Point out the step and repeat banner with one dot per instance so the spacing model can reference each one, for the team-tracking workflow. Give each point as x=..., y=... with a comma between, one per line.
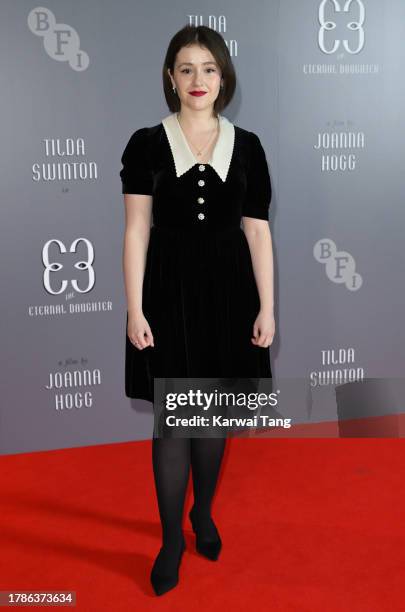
x=321, y=83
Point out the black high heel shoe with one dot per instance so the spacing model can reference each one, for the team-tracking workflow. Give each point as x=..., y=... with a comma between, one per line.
x=209, y=548
x=165, y=582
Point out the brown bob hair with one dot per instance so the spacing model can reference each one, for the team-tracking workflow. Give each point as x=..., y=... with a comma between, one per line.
x=211, y=40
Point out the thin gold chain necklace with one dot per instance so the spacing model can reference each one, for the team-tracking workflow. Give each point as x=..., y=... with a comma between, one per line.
x=199, y=151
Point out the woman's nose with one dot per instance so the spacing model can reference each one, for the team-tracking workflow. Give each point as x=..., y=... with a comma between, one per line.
x=198, y=79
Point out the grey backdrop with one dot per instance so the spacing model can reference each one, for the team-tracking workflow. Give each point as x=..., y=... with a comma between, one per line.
x=91, y=70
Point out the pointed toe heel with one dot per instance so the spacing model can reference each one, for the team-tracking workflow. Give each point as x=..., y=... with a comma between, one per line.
x=208, y=548
x=162, y=583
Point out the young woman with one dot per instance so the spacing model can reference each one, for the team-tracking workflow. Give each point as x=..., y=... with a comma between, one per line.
x=199, y=287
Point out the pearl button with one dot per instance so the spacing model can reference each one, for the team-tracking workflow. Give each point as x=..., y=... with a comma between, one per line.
x=201, y=183
x=200, y=200
x=201, y=216
x=201, y=167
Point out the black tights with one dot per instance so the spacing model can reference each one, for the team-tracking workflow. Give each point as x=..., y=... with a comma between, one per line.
x=171, y=459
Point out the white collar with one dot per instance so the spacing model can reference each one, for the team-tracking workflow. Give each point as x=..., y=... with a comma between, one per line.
x=183, y=156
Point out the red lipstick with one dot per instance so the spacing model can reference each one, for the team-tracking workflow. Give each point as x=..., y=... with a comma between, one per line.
x=198, y=93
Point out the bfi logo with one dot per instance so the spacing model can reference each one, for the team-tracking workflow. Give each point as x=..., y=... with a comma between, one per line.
x=340, y=266
x=61, y=41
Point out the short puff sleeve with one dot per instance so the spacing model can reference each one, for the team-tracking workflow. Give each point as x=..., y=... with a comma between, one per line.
x=259, y=191
x=136, y=174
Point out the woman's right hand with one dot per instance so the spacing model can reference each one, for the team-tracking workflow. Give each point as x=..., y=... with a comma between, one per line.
x=139, y=332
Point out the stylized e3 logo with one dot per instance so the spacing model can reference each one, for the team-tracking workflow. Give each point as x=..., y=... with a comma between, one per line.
x=55, y=266
x=331, y=25
x=61, y=41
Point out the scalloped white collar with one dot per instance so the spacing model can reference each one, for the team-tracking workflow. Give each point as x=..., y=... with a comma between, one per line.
x=184, y=158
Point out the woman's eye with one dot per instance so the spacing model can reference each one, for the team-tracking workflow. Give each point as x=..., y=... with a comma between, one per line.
x=188, y=69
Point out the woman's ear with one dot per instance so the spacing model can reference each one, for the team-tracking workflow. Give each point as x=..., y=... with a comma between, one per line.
x=170, y=76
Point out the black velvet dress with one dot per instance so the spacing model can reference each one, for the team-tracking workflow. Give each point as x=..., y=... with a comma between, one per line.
x=199, y=291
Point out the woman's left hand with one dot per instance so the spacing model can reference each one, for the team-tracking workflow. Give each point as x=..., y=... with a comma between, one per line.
x=264, y=328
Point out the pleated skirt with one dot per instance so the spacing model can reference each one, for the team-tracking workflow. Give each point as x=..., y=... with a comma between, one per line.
x=200, y=299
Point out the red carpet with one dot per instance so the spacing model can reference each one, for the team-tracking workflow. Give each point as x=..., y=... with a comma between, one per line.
x=307, y=525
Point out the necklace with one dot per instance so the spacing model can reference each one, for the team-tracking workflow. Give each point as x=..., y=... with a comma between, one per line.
x=200, y=151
